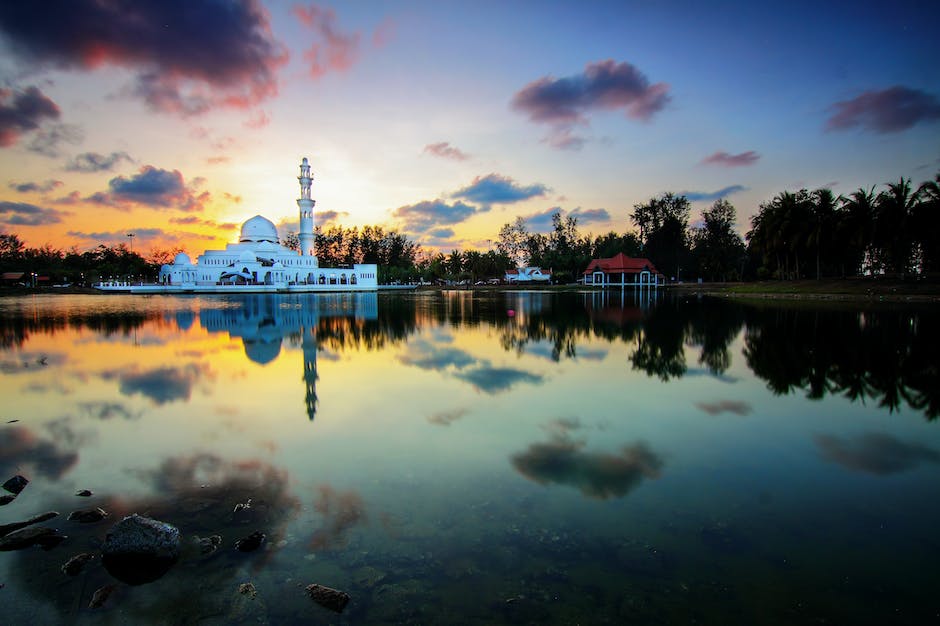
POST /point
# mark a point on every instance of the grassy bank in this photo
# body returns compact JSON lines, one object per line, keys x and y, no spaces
{"x":854,"y":288}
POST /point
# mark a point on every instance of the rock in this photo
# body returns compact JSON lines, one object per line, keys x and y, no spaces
{"x":76,"y":564}
{"x":88,"y":516}
{"x":42,"y":536}
{"x":208,"y":545}
{"x":101,"y":596}
{"x":6,"y":499}
{"x":6,"y":529}
{"x":139,"y":550}
{"x":250,"y":543}
{"x":84,"y":493}
{"x":332,"y":599}
{"x":247,"y":589}
{"x":16,"y":484}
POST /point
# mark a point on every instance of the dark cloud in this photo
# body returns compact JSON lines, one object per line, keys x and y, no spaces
{"x":875,"y":453}
{"x":94,"y":162}
{"x":329,"y":217}
{"x":24,"y":214}
{"x":446,"y":418}
{"x":107,"y":410}
{"x":590,"y":216}
{"x":21,"y":451}
{"x":442,"y":233}
{"x":497,"y":189}
{"x":887,"y":111}
{"x":564,"y":103}
{"x":30,"y":187}
{"x":444,"y":150}
{"x":23,"y":111}
{"x":429,"y":214}
{"x":541,"y":221}
{"x":695,"y":196}
{"x":154,"y":188}
{"x":429,"y":356}
{"x":726,"y":406}
{"x":187,"y":55}
{"x":597,"y":475}
{"x":47,"y":140}
{"x":194,"y":220}
{"x":334,"y":50}
{"x":732,"y":160}
{"x":161,"y":385}
{"x":140,"y":234}
{"x":493,"y":380}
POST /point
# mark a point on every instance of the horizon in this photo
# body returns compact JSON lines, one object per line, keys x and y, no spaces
{"x":444,"y":122}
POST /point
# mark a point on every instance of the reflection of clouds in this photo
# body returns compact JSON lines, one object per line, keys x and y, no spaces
{"x":161,"y":385}
{"x":53,"y":386}
{"x":341,"y":511}
{"x":598,"y":475}
{"x":875,"y":453}
{"x":563,"y":426}
{"x":491,"y":380}
{"x":20,"y":447}
{"x":107,"y":410}
{"x":546,"y":350}
{"x":700,"y":371}
{"x":30,"y":362}
{"x":63,"y":431}
{"x":427,"y":356}
{"x":446,"y":418}
{"x":726,"y":406}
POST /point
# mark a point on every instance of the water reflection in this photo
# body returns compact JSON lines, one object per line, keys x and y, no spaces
{"x":875,"y":453}
{"x":22,"y":450}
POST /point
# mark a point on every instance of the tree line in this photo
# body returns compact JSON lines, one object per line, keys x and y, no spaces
{"x":795,"y":235}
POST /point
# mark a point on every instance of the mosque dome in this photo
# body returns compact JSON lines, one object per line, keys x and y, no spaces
{"x":182,"y":259}
{"x":258,"y":229}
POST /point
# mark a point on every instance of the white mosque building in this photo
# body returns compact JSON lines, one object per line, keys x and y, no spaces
{"x":259,"y":263}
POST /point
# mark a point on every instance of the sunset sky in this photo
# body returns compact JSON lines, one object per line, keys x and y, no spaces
{"x":176,"y":120}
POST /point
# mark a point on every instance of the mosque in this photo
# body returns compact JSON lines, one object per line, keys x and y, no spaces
{"x":259,"y":263}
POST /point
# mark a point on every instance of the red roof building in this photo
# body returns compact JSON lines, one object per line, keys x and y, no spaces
{"x":622,"y":270}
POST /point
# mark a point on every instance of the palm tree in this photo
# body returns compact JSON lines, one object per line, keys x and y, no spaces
{"x":823,"y":207}
{"x":892,"y":225}
{"x":926,"y":223}
{"x":855,"y":227}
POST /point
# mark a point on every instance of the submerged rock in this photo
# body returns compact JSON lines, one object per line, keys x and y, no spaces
{"x":42,"y":536}
{"x":101,"y":596}
{"x":208,"y":545}
{"x":75,"y":565}
{"x":139,"y":550}
{"x":6,"y":499}
{"x":6,"y":529}
{"x":251,"y":542}
{"x":88,"y":516}
{"x":84,"y":493}
{"x":16,"y":484}
{"x":332,"y":599}
{"x":247,"y":589}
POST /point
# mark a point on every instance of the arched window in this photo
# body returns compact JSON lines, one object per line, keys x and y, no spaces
{"x":342,"y":279}
{"x":352,"y":279}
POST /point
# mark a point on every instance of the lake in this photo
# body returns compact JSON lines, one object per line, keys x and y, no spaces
{"x":479,"y":457}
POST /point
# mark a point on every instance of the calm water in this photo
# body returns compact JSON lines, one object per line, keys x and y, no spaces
{"x":504,"y":457}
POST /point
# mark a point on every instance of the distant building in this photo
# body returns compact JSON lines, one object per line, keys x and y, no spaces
{"x":258,"y":262}
{"x":622,"y":271}
{"x":528,"y":275}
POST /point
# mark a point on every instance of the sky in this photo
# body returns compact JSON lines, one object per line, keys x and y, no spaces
{"x":176,"y":120}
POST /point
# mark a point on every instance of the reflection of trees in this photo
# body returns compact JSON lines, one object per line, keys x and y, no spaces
{"x":17,"y":324}
{"x":659,"y":348}
{"x":883,"y":354}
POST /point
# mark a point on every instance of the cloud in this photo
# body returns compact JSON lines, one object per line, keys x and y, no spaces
{"x":541,"y":221}
{"x":23,"y":111}
{"x":383,"y":33}
{"x":30,"y":187}
{"x":193,"y":220}
{"x":493,"y":380}
{"x":24,"y":214}
{"x":140,"y":234}
{"x":154,"y":188}
{"x":107,"y":410}
{"x":564,"y":103}
{"x":497,"y":189}
{"x":444,"y":150}
{"x":887,"y":111}
{"x":726,"y":406}
{"x":441,"y":233}
{"x":446,"y":418}
{"x":187,"y":55}
{"x":731,"y":160}
{"x":329,"y":217}
{"x":46,"y":140}
{"x":20,"y":448}
{"x":597,"y":475}
{"x":695,"y":196}
{"x":590,"y":216}
{"x":875,"y":453}
{"x":161,"y":385}
{"x":336,"y":51}
{"x":90,"y":162}
{"x":430,"y":214}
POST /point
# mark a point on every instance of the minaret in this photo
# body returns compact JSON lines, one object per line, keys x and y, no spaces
{"x":305,"y":204}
